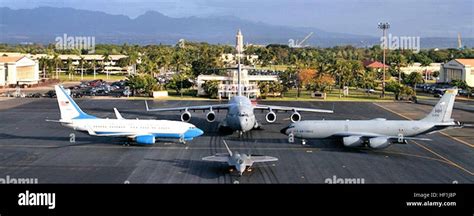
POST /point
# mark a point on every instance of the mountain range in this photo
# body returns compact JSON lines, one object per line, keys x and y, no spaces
{"x":44,"y":24}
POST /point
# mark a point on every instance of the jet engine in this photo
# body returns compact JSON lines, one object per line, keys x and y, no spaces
{"x":186,"y":116}
{"x":145,"y":139}
{"x":379,"y":143}
{"x":271,"y":117}
{"x":295,"y":117}
{"x":211,"y":116}
{"x":352,"y":141}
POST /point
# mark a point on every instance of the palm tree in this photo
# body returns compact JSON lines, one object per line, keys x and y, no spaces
{"x":93,"y":64}
{"x":133,"y":59}
{"x":106,"y":59}
{"x":398,"y":60}
{"x":425,"y":62}
{"x":57,"y":62}
{"x":81,"y":62}
{"x":43,"y":62}
{"x":70,"y":68}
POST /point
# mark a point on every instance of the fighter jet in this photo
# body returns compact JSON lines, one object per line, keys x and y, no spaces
{"x":377,"y":133}
{"x":240,"y":110}
{"x":240,"y":161}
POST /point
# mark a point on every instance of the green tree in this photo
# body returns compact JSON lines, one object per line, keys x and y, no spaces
{"x":414,"y":78}
{"x":211,"y":87}
{"x":43,"y":63}
{"x":179,"y":82}
{"x":425,"y":62}
{"x":106,"y":62}
{"x":142,"y":84}
{"x":81,"y":62}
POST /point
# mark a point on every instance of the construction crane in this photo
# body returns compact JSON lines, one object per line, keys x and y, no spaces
{"x":293,"y":44}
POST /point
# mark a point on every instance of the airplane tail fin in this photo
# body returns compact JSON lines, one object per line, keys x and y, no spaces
{"x":68,"y":108}
{"x":227,"y":147}
{"x":444,"y":108}
{"x":117,"y":114}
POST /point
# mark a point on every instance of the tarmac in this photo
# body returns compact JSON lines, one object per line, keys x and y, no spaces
{"x":31,"y":147}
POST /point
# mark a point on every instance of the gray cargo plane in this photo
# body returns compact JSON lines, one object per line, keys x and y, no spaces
{"x":240,"y":110}
{"x":240,"y":161}
{"x":377,"y":133}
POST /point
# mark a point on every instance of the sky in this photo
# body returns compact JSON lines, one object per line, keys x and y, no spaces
{"x":432,"y":18}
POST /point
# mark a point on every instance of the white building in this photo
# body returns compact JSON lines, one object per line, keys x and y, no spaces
{"x":416,"y":67}
{"x":111,"y":65}
{"x":228,"y":84}
{"x":20,"y":69}
{"x":229,"y":58}
{"x":457,"y":69}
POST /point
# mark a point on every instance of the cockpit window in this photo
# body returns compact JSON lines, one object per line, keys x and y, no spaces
{"x":240,"y":161}
{"x":243,"y":115}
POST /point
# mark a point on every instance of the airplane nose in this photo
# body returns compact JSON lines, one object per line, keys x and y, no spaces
{"x":283,"y":131}
{"x":193,"y":132}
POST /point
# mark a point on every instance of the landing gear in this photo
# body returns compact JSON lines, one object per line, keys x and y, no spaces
{"x":241,"y":133}
{"x":256,"y":126}
{"x":182,"y":140}
{"x":126,"y":144}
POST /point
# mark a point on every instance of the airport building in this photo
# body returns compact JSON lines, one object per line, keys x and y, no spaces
{"x":111,"y":66}
{"x":457,"y":69}
{"x":229,"y":58}
{"x":228,"y":83}
{"x":18,"y":70}
{"x":416,"y":67}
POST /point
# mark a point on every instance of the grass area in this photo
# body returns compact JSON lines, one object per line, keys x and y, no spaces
{"x":334,"y":95}
{"x":354,"y":95}
{"x":64,"y":77}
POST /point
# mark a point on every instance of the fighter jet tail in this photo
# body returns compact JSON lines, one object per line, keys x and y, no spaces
{"x":444,"y":108}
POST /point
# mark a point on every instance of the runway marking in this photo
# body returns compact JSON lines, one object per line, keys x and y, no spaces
{"x":447,"y":160}
{"x":414,"y":155}
{"x":457,"y":139}
{"x":441,"y":132}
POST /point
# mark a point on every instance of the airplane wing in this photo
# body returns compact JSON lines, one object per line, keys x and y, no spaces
{"x":203,"y":107}
{"x":217,"y":158}
{"x":94,"y":133}
{"x":285,"y":108}
{"x":373,"y":135}
{"x":258,"y":159}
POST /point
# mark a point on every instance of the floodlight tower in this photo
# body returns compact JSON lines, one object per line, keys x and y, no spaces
{"x":384,"y":27}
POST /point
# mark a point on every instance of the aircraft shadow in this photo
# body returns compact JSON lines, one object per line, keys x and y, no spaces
{"x":80,"y":141}
{"x":199,"y":168}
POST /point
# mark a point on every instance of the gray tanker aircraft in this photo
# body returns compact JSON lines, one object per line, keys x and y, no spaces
{"x":377,"y":133}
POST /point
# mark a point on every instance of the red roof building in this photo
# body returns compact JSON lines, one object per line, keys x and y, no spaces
{"x":373,"y":64}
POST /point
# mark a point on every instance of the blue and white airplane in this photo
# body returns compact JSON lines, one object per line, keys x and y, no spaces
{"x":143,"y":132}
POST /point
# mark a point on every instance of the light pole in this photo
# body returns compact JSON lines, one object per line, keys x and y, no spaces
{"x":384,"y":27}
